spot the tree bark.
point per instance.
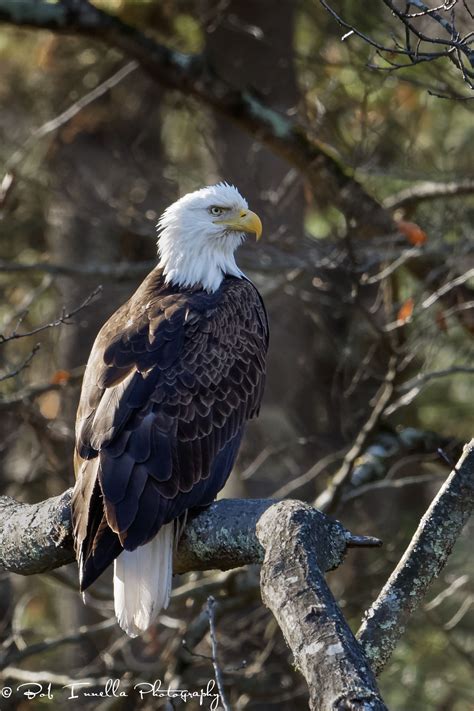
(35, 538)
(422, 561)
(297, 551)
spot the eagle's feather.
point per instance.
(171, 380)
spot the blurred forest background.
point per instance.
(370, 366)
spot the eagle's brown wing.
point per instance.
(171, 380)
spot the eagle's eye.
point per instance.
(216, 211)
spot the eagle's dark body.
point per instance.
(172, 378)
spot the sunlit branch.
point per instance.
(430, 190)
(294, 588)
(423, 560)
(35, 538)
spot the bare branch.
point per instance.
(313, 472)
(446, 288)
(455, 40)
(6, 185)
(393, 49)
(46, 677)
(293, 587)
(331, 496)
(67, 115)
(24, 364)
(65, 317)
(423, 560)
(454, 47)
(16, 655)
(390, 484)
(35, 538)
(210, 609)
(422, 378)
(120, 271)
(429, 190)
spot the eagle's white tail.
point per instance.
(142, 582)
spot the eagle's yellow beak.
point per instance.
(247, 221)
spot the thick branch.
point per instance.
(297, 551)
(35, 538)
(423, 559)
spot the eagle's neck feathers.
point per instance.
(189, 258)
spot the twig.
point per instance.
(454, 42)
(428, 191)
(24, 364)
(72, 111)
(63, 319)
(46, 677)
(15, 656)
(447, 592)
(120, 271)
(423, 378)
(390, 484)
(390, 268)
(210, 609)
(463, 610)
(412, 388)
(452, 48)
(6, 185)
(312, 473)
(415, 56)
(446, 288)
(422, 561)
(330, 497)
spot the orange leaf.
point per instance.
(60, 377)
(413, 232)
(405, 311)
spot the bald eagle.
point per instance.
(172, 378)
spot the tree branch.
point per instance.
(423, 560)
(332, 494)
(297, 550)
(120, 271)
(300, 544)
(35, 538)
(428, 190)
(64, 318)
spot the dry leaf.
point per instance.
(60, 377)
(413, 232)
(405, 311)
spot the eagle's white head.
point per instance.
(199, 233)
